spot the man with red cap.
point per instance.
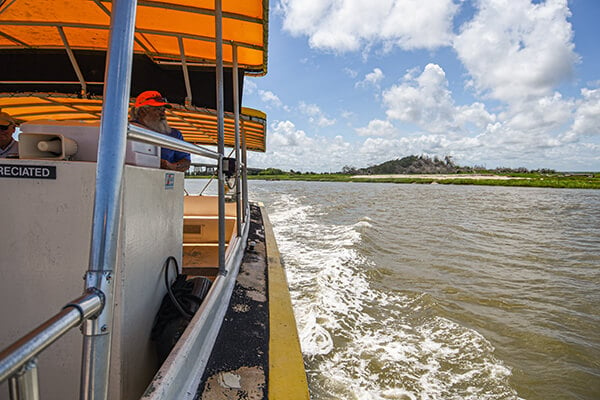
(149, 110)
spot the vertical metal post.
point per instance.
(220, 129)
(236, 118)
(24, 385)
(244, 172)
(107, 199)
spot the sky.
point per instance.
(491, 83)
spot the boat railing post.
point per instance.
(25, 385)
(16, 356)
(107, 199)
(244, 172)
(236, 118)
(220, 129)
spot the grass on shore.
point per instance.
(570, 181)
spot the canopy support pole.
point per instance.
(186, 73)
(244, 172)
(220, 130)
(97, 331)
(236, 118)
(73, 60)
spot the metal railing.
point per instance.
(139, 133)
(18, 362)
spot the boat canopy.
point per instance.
(58, 49)
(198, 125)
(162, 28)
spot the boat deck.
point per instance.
(256, 344)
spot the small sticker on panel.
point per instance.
(169, 180)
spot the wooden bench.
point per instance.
(201, 234)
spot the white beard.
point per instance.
(160, 125)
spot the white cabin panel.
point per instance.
(45, 244)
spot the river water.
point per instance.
(441, 292)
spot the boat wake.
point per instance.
(361, 341)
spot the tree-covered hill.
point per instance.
(411, 165)
(427, 165)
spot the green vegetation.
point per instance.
(433, 167)
(557, 180)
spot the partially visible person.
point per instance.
(149, 111)
(9, 147)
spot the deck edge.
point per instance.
(287, 376)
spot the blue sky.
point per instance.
(494, 83)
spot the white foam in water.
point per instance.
(360, 343)
(365, 222)
(314, 337)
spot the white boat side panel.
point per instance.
(151, 230)
(45, 253)
(44, 243)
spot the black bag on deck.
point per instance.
(179, 305)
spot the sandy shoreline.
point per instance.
(436, 176)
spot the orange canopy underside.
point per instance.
(198, 125)
(164, 29)
(84, 24)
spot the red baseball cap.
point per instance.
(151, 98)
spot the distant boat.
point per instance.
(86, 198)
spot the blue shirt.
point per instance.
(174, 155)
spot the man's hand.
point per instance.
(181, 165)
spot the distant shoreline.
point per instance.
(436, 176)
(557, 180)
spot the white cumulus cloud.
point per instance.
(587, 117)
(347, 25)
(291, 148)
(379, 128)
(514, 56)
(249, 86)
(270, 98)
(425, 100)
(371, 79)
(315, 115)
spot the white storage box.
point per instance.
(86, 134)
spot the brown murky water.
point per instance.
(442, 292)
